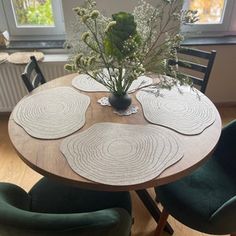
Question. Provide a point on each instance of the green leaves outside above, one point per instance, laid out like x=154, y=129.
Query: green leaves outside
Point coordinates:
x=34, y=12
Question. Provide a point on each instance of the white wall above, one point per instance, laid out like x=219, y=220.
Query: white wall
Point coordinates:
x=222, y=83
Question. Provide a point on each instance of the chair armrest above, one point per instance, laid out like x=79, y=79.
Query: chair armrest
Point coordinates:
x=114, y=221
x=14, y=195
x=17, y=219
x=224, y=217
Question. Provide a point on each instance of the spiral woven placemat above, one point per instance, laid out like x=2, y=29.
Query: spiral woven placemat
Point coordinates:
x=122, y=154
x=52, y=114
x=24, y=57
x=3, y=57
x=86, y=83
x=186, y=111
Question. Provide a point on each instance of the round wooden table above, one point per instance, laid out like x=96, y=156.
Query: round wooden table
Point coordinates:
x=44, y=156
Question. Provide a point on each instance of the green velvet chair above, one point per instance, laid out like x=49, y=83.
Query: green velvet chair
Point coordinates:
x=51, y=208
x=206, y=199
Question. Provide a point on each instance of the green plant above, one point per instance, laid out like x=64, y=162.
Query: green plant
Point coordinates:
x=115, y=51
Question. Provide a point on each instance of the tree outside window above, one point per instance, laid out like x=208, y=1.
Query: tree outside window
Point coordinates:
x=33, y=12
x=209, y=11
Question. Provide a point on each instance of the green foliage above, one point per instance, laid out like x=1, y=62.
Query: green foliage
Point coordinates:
x=116, y=51
x=42, y=15
x=122, y=38
x=35, y=13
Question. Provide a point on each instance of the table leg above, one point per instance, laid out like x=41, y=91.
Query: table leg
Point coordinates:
x=151, y=206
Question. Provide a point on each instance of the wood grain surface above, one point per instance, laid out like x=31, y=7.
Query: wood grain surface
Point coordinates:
x=44, y=156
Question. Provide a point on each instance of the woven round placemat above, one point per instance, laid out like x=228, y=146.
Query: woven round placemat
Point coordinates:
x=24, y=57
x=86, y=83
x=52, y=114
x=122, y=154
x=3, y=56
x=184, y=110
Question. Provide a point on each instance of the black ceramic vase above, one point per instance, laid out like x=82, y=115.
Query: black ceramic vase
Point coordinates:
x=120, y=102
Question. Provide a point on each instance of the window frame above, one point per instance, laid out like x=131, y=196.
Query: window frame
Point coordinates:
x=214, y=29
x=35, y=32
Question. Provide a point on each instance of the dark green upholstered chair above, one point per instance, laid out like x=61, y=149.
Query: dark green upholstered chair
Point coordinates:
x=206, y=199
x=52, y=208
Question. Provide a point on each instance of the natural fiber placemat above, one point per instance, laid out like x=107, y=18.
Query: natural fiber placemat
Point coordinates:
x=184, y=110
x=86, y=83
x=52, y=114
x=24, y=57
x=3, y=56
x=122, y=154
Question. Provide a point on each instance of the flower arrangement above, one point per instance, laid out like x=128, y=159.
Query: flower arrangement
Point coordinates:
x=116, y=51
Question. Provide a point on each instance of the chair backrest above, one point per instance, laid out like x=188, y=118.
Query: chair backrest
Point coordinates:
x=195, y=64
x=225, y=151
x=17, y=217
x=32, y=76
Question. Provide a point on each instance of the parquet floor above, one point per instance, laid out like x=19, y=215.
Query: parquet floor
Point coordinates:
x=13, y=170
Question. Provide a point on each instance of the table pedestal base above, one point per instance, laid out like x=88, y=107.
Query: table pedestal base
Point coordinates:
x=151, y=206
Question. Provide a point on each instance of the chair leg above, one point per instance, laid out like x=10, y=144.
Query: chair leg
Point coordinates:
x=162, y=222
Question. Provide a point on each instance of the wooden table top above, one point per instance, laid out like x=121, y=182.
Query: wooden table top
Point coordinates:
x=44, y=156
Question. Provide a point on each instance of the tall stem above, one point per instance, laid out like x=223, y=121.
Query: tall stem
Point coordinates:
x=100, y=48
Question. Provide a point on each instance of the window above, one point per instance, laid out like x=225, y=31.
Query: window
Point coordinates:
x=34, y=18
x=209, y=12
x=215, y=17
x=33, y=13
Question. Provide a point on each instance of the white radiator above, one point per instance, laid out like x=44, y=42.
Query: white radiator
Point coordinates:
x=12, y=88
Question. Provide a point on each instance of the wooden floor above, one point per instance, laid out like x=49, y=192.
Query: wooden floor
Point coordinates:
x=13, y=170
